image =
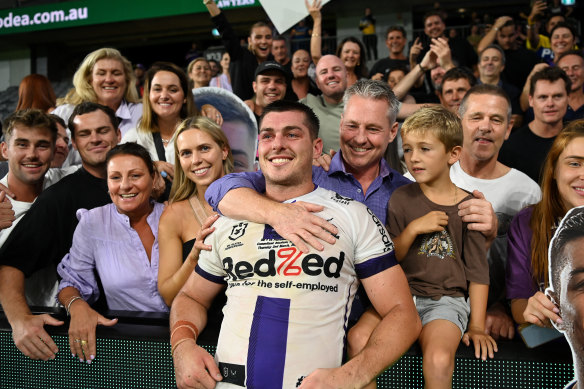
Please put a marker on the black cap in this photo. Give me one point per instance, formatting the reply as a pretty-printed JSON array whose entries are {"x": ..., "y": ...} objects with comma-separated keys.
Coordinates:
[{"x": 272, "y": 65}]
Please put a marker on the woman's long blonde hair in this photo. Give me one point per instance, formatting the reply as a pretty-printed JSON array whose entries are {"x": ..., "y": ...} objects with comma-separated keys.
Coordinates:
[
  {"x": 548, "y": 212},
  {"x": 83, "y": 90},
  {"x": 182, "y": 187}
]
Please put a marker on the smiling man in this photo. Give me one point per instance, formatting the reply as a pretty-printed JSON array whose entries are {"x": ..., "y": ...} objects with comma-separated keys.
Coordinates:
[
  {"x": 269, "y": 85},
  {"x": 29, "y": 147},
  {"x": 50, "y": 222},
  {"x": 455, "y": 83},
  {"x": 485, "y": 112},
  {"x": 243, "y": 61},
  {"x": 395, "y": 41},
  {"x": 572, "y": 62},
  {"x": 528, "y": 146},
  {"x": 331, "y": 79},
  {"x": 286, "y": 310}
]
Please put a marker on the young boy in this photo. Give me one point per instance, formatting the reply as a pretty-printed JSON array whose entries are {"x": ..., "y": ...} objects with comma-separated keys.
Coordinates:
[{"x": 443, "y": 260}]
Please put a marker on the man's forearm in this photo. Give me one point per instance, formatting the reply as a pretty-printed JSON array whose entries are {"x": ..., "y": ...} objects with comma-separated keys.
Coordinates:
[
  {"x": 488, "y": 39},
  {"x": 12, "y": 293},
  {"x": 404, "y": 86},
  {"x": 186, "y": 308},
  {"x": 247, "y": 204}
]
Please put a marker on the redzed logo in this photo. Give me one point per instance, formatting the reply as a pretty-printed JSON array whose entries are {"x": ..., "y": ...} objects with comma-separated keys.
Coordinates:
[{"x": 311, "y": 264}]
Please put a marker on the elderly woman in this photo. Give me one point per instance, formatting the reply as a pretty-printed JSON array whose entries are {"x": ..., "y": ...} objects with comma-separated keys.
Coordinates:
[
  {"x": 119, "y": 243},
  {"x": 105, "y": 77}
]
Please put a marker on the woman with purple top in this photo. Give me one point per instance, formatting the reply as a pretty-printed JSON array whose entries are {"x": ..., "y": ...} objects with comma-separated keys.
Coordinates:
[
  {"x": 119, "y": 243},
  {"x": 532, "y": 228}
]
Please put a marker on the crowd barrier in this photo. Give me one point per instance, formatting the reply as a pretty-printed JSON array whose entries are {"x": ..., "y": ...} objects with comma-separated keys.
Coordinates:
[{"x": 135, "y": 353}]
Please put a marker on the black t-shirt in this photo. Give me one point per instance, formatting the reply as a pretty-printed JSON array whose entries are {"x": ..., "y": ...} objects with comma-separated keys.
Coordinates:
[
  {"x": 518, "y": 65},
  {"x": 385, "y": 64},
  {"x": 243, "y": 62},
  {"x": 526, "y": 152},
  {"x": 44, "y": 234}
]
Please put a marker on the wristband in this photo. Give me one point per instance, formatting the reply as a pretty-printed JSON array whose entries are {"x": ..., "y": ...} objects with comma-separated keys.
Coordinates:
[
  {"x": 183, "y": 329},
  {"x": 422, "y": 68},
  {"x": 173, "y": 348}
]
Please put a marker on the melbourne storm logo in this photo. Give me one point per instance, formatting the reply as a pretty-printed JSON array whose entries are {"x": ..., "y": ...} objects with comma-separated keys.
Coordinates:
[
  {"x": 341, "y": 199},
  {"x": 238, "y": 231}
]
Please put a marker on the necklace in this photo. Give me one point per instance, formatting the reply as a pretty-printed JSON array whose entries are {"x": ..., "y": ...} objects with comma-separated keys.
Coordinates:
[{"x": 165, "y": 141}]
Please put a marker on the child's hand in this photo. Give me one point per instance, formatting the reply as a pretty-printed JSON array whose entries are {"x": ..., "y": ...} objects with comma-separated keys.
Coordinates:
[
  {"x": 483, "y": 343},
  {"x": 431, "y": 222}
]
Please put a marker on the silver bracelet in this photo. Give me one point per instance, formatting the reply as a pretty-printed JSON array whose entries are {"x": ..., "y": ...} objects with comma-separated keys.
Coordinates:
[{"x": 71, "y": 302}]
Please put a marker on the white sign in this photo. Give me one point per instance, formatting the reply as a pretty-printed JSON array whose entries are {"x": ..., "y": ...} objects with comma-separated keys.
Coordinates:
[{"x": 285, "y": 14}]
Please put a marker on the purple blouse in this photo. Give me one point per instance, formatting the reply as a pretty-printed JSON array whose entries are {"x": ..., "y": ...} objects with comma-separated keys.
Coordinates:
[
  {"x": 519, "y": 274},
  {"x": 104, "y": 241}
]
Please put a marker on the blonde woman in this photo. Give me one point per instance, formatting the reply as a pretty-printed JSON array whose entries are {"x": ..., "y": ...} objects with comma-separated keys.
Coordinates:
[
  {"x": 105, "y": 77},
  {"x": 202, "y": 155}
]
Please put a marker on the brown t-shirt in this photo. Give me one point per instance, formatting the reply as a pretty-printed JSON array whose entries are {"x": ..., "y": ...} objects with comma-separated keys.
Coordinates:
[{"x": 439, "y": 263}]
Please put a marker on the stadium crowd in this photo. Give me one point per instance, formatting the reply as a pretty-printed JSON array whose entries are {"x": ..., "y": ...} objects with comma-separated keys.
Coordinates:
[{"x": 299, "y": 201}]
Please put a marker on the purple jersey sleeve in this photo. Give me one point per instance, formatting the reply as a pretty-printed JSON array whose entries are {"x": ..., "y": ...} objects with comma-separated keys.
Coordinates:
[{"x": 219, "y": 188}]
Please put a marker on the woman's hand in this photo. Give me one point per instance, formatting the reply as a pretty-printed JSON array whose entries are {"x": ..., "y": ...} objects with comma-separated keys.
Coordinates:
[
  {"x": 212, "y": 113},
  {"x": 314, "y": 8},
  {"x": 540, "y": 310},
  {"x": 199, "y": 245},
  {"x": 165, "y": 169},
  {"x": 84, "y": 320}
]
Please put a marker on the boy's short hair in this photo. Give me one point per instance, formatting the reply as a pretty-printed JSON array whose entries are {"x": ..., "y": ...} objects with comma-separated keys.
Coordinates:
[{"x": 445, "y": 125}]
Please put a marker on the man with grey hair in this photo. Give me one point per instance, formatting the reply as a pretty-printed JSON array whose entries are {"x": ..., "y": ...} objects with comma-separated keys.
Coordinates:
[
  {"x": 491, "y": 66},
  {"x": 566, "y": 272},
  {"x": 485, "y": 112},
  {"x": 358, "y": 171}
]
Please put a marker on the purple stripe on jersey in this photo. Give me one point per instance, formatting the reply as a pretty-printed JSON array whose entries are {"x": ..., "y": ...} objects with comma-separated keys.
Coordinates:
[
  {"x": 266, "y": 355},
  {"x": 209, "y": 276},
  {"x": 270, "y": 233},
  {"x": 375, "y": 265}
]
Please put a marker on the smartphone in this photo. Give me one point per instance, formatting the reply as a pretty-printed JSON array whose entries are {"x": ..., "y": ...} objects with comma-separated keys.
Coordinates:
[{"x": 534, "y": 336}]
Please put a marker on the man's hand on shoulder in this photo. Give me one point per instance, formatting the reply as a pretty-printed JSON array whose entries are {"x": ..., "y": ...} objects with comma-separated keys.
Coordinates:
[
  {"x": 31, "y": 338},
  {"x": 479, "y": 213},
  {"x": 194, "y": 367},
  {"x": 298, "y": 223}
]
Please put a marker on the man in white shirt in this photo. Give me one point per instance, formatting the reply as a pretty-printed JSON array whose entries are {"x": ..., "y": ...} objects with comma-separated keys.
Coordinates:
[{"x": 485, "y": 111}]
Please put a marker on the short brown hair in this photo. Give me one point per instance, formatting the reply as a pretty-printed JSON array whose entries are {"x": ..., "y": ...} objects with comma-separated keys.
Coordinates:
[
  {"x": 445, "y": 125},
  {"x": 32, "y": 118}
]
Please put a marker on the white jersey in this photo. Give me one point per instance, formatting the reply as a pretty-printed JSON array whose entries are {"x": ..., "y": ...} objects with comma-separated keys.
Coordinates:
[{"x": 286, "y": 311}]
